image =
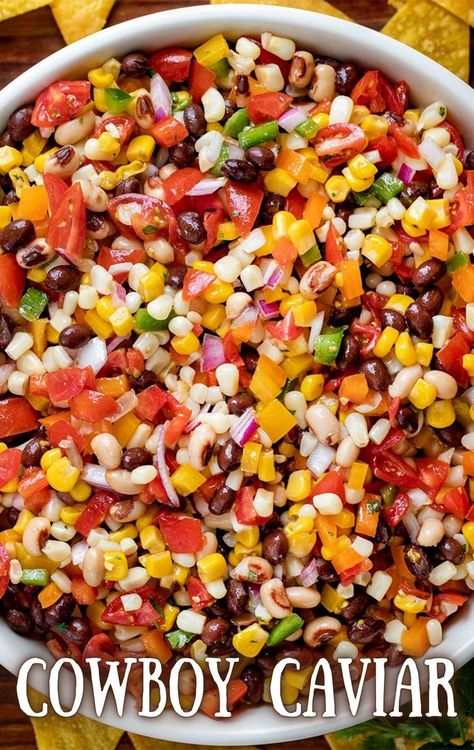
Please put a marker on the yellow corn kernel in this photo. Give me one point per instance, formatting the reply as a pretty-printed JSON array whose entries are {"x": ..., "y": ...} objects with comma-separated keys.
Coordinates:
[
  {"x": 280, "y": 182},
  {"x": 357, "y": 183},
  {"x": 128, "y": 531},
  {"x": 150, "y": 286},
  {"x": 359, "y": 112},
  {"x": 337, "y": 188},
  {"x": 289, "y": 693},
  {"x": 468, "y": 533},
  {"x": 108, "y": 145},
  {"x": 5, "y": 216},
  {"x": 9, "y": 159},
  {"x": 440, "y": 414},
  {"x": 408, "y": 603},
  {"x": 361, "y": 167},
  {"x": 19, "y": 180},
  {"x": 331, "y": 600},
  {"x": 468, "y": 364},
  {"x": 179, "y": 575},
  {"x": 304, "y": 314},
  {"x": 159, "y": 564},
  {"x": 341, "y": 543},
  {"x": 299, "y": 485},
  {"x": 377, "y": 249},
  {"x": 386, "y": 341},
  {"x": 122, "y": 321},
  {"x": 71, "y": 513},
  {"x": 321, "y": 119},
  {"x": 185, "y": 344},
  {"x": 151, "y": 539},
  {"x": 249, "y": 537},
  {"x": 62, "y": 475},
  {"x": 81, "y": 491},
  {"x": 227, "y": 231},
  {"x": 419, "y": 215},
  {"x": 100, "y": 78},
  {"x": 302, "y": 525},
  {"x": 357, "y": 475},
  {"x": 266, "y": 467},
  {"x": 141, "y": 148},
  {"x": 441, "y": 217},
  {"x": 240, "y": 551},
  {"x": 405, "y": 350},
  {"x": 186, "y": 479},
  {"x": 22, "y": 520},
  {"x": 424, "y": 353},
  {"x": 41, "y": 159},
  {"x": 99, "y": 100},
  {"x": 300, "y": 545},
  {"x": 213, "y": 317},
  {"x": 212, "y": 51},
  {"x": 250, "y": 641},
  {"x": 146, "y": 520},
  {"x": 211, "y": 567},
  {"x": 312, "y": 386},
  {"x": 105, "y": 308},
  {"x": 100, "y": 326},
  {"x": 50, "y": 457},
  {"x": 345, "y": 519},
  {"x": 281, "y": 223},
  {"x": 170, "y": 614},
  {"x": 302, "y": 236},
  {"x": 422, "y": 394},
  {"x": 374, "y": 126},
  {"x": 116, "y": 566}
]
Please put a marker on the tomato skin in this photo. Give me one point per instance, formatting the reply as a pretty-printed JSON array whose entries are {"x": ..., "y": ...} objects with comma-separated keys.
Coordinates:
[
  {"x": 456, "y": 138},
  {"x": 67, "y": 228},
  {"x": 99, "y": 646},
  {"x": 62, "y": 430},
  {"x": 242, "y": 204},
  {"x": 10, "y": 461},
  {"x": 397, "y": 510},
  {"x": 56, "y": 189},
  {"x": 60, "y": 102},
  {"x": 334, "y": 246},
  {"x": 108, "y": 256},
  {"x": 12, "y": 280},
  {"x": 463, "y": 213},
  {"x": 125, "y": 124},
  {"x": 331, "y": 482},
  {"x": 337, "y": 144},
  {"x": 450, "y": 358},
  {"x": 95, "y": 512},
  {"x": 433, "y": 474},
  {"x": 172, "y": 63},
  {"x": 200, "y": 80},
  {"x": 266, "y": 107},
  {"x": 92, "y": 406},
  {"x": 244, "y": 510},
  {"x": 404, "y": 142},
  {"x": 179, "y": 183},
  {"x": 16, "y": 416},
  {"x": 236, "y": 690},
  {"x": 149, "y": 211},
  {"x": 195, "y": 282},
  {"x": 392, "y": 469},
  {"x": 286, "y": 329},
  {"x": 379, "y": 95},
  {"x": 295, "y": 204},
  {"x": 147, "y": 615},
  {"x": 62, "y": 385},
  {"x": 387, "y": 148},
  {"x": 182, "y": 533},
  {"x": 212, "y": 219},
  {"x": 446, "y": 597},
  {"x": 198, "y": 594},
  {"x": 455, "y": 501}
]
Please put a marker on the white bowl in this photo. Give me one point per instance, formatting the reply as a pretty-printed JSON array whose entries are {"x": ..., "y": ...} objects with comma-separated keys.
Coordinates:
[{"x": 329, "y": 36}]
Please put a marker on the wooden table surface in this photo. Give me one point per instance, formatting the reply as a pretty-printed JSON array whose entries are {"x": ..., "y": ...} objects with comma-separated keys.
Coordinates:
[{"x": 25, "y": 40}]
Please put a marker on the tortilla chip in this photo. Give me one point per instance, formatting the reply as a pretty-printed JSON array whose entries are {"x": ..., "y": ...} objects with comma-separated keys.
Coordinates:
[
  {"x": 318, "y": 6},
  {"x": 434, "y": 31},
  {"x": 12, "y": 8},
  {"x": 148, "y": 743},
  {"x": 463, "y": 9},
  {"x": 75, "y": 733},
  {"x": 79, "y": 18}
]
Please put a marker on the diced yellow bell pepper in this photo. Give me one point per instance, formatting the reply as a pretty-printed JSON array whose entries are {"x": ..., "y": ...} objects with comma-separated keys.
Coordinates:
[
  {"x": 268, "y": 379},
  {"x": 186, "y": 479},
  {"x": 276, "y": 420}
]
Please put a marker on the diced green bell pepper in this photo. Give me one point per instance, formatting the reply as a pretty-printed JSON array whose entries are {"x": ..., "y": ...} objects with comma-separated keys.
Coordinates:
[
  {"x": 33, "y": 303},
  {"x": 145, "y": 322},
  {"x": 311, "y": 256},
  {"x": 308, "y": 129},
  {"x": 179, "y": 638},
  {"x": 456, "y": 262},
  {"x": 285, "y": 627},
  {"x": 237, "y": 122},
  {"x": 387, "y": 186},
  {"x": 35, "y": 577},
  {"x": 327, "y": 345},
  {"x": 257, "y": 134},
  {"x": 116, "y": 100}
]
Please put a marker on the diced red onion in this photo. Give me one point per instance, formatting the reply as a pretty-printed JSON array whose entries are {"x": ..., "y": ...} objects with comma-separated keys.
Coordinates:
[
  {"x": 292, "y": 118},
  {"x": 320, "y": 459},
  {"x": 248, "y": 315},
  {"x": 118, "y": 296},
  {"x": 212, "y": 352},
  {"x": 5, "y": 372},
  {"x": 162, "y": 467},
  {"x": 126, "y": 403},
  {"x": 115, "y": 342},
  {"x": 235, "y": 152},
  {"x": 406, "y": 174},
  {"x": 315, "y": 330},
  {"x": 94, "y": 353},
  {"x": 268, "y": 310},
  {"x": 94, "y": 475},
  {"x": 197, "y": 420},
  {"x": 207, "y": 186},
  {"x": 254, "y": 594},
  {"x": 412, "y": 526},
  {"x": 243, "y": 430},
  {"x": 272, "y": 276},
  {"x": 309, "y": 575},
  {"x": 160, "y": 97}
]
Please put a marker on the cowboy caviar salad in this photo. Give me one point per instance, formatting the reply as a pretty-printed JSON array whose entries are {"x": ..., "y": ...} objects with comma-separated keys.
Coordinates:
[{"x": 236, "y": 402}]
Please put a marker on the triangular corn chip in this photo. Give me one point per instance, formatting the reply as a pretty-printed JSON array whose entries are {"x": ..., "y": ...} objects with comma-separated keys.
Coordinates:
[
  {"x": 78, "y": 18},
  {"x": 148, "y": 743},
  {"x": 463, "y": 9},
  {"x": 318, "y": 6},
  {"x": 12, "y": 8}
]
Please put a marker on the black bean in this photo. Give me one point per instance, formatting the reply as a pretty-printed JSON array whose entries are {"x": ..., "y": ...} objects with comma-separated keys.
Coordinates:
[
  {"x": 33, "y": 451},
  {"x": 417, "y": 561},
  {"x": 240, "y": 402},
  {"x": 75, "y": 336},
  {"x": 431, "y": 299},
  {"x": 222, "y": 500},
  {"x": 94, "y": 221},
  {"x": 230, "y": 109},
  {"x": 392, "y": 318},
  {"x": 191, "y": 227},
  {"x": 452, "y": 550},
  {"x": 5, "y": 333},
  {"x": 10, "y": 198},
  {"x": 383, "y": 532},
  {"x": 271, "y": 523},
  {"x": 6, "y": 139},
  {"x": 128, "y": 185},
  {"x": 194, "y": 120},
  {"x": 214, "y": 630},
  {"x": 62, "y": 279},
  {"x": 37, "y": 614},
  {"x": 412, "y": 192},
  {"x": 406, "y": 287},
  {"x": 19, "y": 621},
  {"x": 302, "y": 654},
  {"x": 19, "y": 123},
  {"x": 250, "y": 357},
  {"x": 142, "y": 381},
  {"x": 469, "y": 160},
  {"x": 271, "y": 203},
  {"x": 134, "y": 65},
  {"x": 349, "y": 352},
  {"x": 452, "y": 435},
  {"x": 60, "y": 611},
  {"x": 407, "y": 419},
  {"x": 355, "y": 607},
  {"x": 429, "y": 272},
  {"x": 376, "y": 374},
  {"x": 346, "y": 78},
  {"x": 182, "y": 155},
  {"x": 365, "y": 630},
  {"x": 176, "y": 276},
  {"x": 252, "y": 676},
  {"x": 275, "y": 546},
  {"x": 261, "y": 157},
  {"x": 420, "y": 321},
  {"x": 12, "y": 516},
  {"x": 134, "y": 457},
  {"x": 229, "y": 455},
  {"x": 78, "y": 631},
  {"x": 236, "y": 597},
  {"x": 239, "y": 170},
  {"x": 325, "y": 570},
  {"x": 343, "y": 316},
  {"x": 16, "y": 234},
  {"x": 435, "y": 190}
]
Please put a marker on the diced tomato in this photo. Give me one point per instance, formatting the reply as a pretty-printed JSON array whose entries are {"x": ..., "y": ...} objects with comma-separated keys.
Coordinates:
[
  {"x": 455, "y": 501},
  {"x": 266, "y": 107},
  {"x": 334, "y": 246},
  {"x": 331, "y": 482},
  {"x": 446, "y": 604},
  {"x": 16, "y": 416},
  {"x": 67, "y": 228},
  {"x": 459, "y": 318},
  {"x": 456, "y": 138},
  {"x": 295, "y": 203},
  {"x": 379, "y": 95},
  {"x": 397, "y": 510},
  {"x": 93, "y": 406},
  {"x": 182, "y": 533},
  {"x": 36, "y": 502},
  {"x": 177, "y": 424},
  {"x": 198, "y": 594},
  {"x": 150, "y": 402},
  {"x": 433, "y": 474},
  {"x": 337, "y": 144},
  {"x": 200, "y": 80},
  {"x": 9, "y": 465},
  {"x": 268, "y": 58},
  {"x": 405, "y": 143},
  {"x": 95, "y": 512},
  {"x": 108, "y": 256},
  {"x": 12, "y": 280},
  {"x": 231, "y": 351},
  {"x": 242, "y": 204},
  {"x": 450, "y": 358},
  {"x": 212, "y": 219},
  {"x": 37, "y": 386},
  {"x": 236, "y": 691},
  {"x": 387, "y": 148},
  {"x": 179, "y": 183},
  {"x": 63, "y": 430},
  {"x": 154, "y": 490},
  {"x": 244, "y": 510},
  {"x": 147, "y": 217},
  {"x": 32, "y": 480},
  {"x": 100, "y": 646},
  {"x": 168, "y": 132},
  {"x": 126, "y": 360},
  {"x": 463, "y": 213},
  {"x": 56, "y": 189},
  {"x": 124, "y": 124},
  {"x": 195, "y": 283},
  {"x": 60, "y": 102},
  {"x": 392, "y": 469},
  {"x": 286, "y": 329},
  {"x": 64, "y": 384},
  {"x": 4, "y": 569},
  {"x": 172, "y": 63},
  {"x": 149, "y": 614}
]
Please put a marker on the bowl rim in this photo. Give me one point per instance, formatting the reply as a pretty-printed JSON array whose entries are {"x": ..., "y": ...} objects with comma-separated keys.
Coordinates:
[{"x": 14, "y": 649}]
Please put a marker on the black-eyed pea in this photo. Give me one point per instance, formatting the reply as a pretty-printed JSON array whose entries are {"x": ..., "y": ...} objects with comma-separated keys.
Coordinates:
[
  {"x": 252, "y": 569},
  {"x": 63, "y": 162},
  {"x": 275, "y": 599},
  {"x": 36, "y": 532},
  {"x": 200, "y": 445},
  {"x": 302, "y": 597},
  {"x": 320, "y": 630}
]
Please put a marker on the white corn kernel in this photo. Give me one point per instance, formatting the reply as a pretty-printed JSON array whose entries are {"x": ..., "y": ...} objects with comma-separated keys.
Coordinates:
[
  {"x": 282, "y": 47},
  {"x": 270, "y": 76},
  {"x": 341, "y": 109},
  {"x": 252, "y": 278},
  {"x": 190, "y": 621},
  {"x": 20, "y": 344},
  {"x": 213, "y": 104},
  {"x": 228, "y": 379}
]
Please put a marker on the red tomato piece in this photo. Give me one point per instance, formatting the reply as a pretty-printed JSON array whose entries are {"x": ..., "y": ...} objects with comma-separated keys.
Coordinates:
[
  {"x": 331, "y": 482},
  {"x": 198, "y": 594},
  {"x": 99, "y": 646},
  {"x": 32, "y": 480},
  {"x": 455, "y": 501},
  {"x": 95, "y": 512},
  {"x": 182, "y": 533},
  {"x": 4, "y": 569},
  {"x": 9, "y": 465},
  {"x": 64, "y": 384},
  {"x": 397, "y": 510},
  {"x": 456, "y": 138},
  {"x": 179, "y": 183},
  {"x": 150, "y": 402},
  {"x": 16, "y": 416},
  {"x": 149, "y": 614},
  {"x": 379, "y": 95},
  {"x": 195, "y": 283},
  {"x": 387, "y": 148},
  {"x": 231, "y": 351},
  {"x": 450, "y": 358},
  {"x": 286, "y": 329},
  {"x": 177, "y": 424},
  {"x": 405, "y": 143},
  {"x": 236, "y": 690},
  {"x": 92, "y": 406},
  {"x": 60, "y": 102},
  {"x": 337, "y": 144},
  {"x": 211, "y": 485},
  {"x": 168, "y": 132},
  {"x": 56, "y": 189},
  {"x": 67, "y": 228},
  {"x": 433, "y": 474},
  {"x": 200, "y": 80},
  {"x": 392, "y": 469},
  {"x": 266, "y": 107},
  {"x": 36, "y": 502},
  {"x": 172, "y": 63},
  {"x": 295, "y": 204},
  {"x": 63, "y": 430},
  {"x": 463, "y": 213},
  {"x": 444, "y": 603},
  {"x": 12, "y": 280},
  {"x": 108, "y": 256},
  {"x": 124, "y": 124},
  {"x": 244, "y": 510},
  {"x": 145, "y": 216},
  {"x": 334, "y": 246},
  {"x": 242, "y": 204},
  {"x": 212, "y": 219}
]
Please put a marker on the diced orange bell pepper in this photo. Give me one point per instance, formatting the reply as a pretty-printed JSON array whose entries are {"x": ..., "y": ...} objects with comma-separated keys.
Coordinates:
[
  {"x": 313, "y": 211},
  {"x": 415, "y": 640},
  {"x": 276, "y": 420},
  {"x": 296, "y": 165},
  {"x": 49, "y": 595},
  {"x": 438, "y": 244},
  {"x": 354, "y": 388},
  {"x": 351, "y": 279},
  {"x": 32, "y": 481},
  {"x": 82, "y": 592},
  {"x": 267, "y": 380},
  {"x": 346, "y": 559},
  {"x": 53, "y": 418},
  {"x": 367, "y": 517},
  {"x": 468, "y": 463},
  {"x": 37, "y": 328},
  {"x": 33, "y": 203},
  {"x": 463, "y": 283},
  {"x": 284, "y": 251},
  {"x": 155, "y": 646},
  {"x": 399, "y": 560},
  {"x": 327, "y": 529},
  {"x": 114, "y": 387}
]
